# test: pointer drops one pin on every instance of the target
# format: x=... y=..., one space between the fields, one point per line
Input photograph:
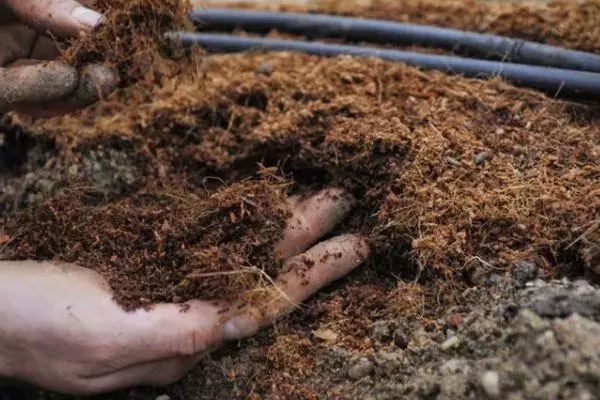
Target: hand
x=29 y=81
x=62 y=331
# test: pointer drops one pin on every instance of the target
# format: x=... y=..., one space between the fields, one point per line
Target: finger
x=16 y=41
x=35 y=83
x=306 y=274
x=60 y=17
x=312 y=218
x=95 y=83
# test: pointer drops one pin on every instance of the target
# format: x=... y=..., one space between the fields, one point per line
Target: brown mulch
x=453 y=175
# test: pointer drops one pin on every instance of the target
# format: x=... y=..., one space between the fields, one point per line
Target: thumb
x=60 y=17
x=35 y=83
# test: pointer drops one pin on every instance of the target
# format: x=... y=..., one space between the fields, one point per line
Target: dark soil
x=458 y=182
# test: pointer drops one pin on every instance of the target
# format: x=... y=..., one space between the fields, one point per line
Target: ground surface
x=467 y=296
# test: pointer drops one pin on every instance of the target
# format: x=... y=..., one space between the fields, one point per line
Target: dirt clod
x=482 y=158
x=579 y=298
x=524 y=272
x=361 y=369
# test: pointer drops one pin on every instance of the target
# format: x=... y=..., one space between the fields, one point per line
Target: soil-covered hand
x=29 y=80
x=62 y=331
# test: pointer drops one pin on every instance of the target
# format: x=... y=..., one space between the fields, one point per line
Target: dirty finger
x=95 y=83
x=304 y=276
x=312 y=218
x=35 y=83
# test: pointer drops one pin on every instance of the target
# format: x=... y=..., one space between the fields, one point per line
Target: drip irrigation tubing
x=553 y=80
x=379 y=31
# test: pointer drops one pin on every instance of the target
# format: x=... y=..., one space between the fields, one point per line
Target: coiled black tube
x=376 y=31
x=553 y=80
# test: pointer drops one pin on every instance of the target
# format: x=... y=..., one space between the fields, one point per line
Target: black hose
x=376 y=31
x=553 y=80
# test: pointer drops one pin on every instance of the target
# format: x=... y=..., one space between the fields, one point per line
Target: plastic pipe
x=376 y=31
x=556 y=81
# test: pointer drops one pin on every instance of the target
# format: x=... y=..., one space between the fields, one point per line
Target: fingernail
x=86 y=17
x=239 y=327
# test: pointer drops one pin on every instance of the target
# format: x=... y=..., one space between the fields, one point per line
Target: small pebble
x=455 y=320
x=500 y=131
x=325 y=334
x=265 y=69
x=453 y=161
x=163 y=397
x=531 y=321
x=361 y=369
x=454 y=341
x=50 y=163
x=494 y=279
x=420 y=339
x=482 y=157
x=490 y=382
x=455 y=366
x=510 y=311
x=524 y=272
x=381 y=332
x=400 y=339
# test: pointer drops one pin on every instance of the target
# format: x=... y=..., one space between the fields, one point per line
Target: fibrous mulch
x=453 y=175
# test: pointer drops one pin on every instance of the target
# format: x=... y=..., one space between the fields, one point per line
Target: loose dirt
x=459 y=183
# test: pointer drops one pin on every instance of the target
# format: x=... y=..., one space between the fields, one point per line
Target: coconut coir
x=453 y=175
x=131 y=39
x=161 y=245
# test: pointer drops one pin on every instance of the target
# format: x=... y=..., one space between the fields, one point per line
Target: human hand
x=29 y=81
x=62 y=331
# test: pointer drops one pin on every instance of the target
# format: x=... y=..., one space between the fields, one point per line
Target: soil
x=474 y=195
